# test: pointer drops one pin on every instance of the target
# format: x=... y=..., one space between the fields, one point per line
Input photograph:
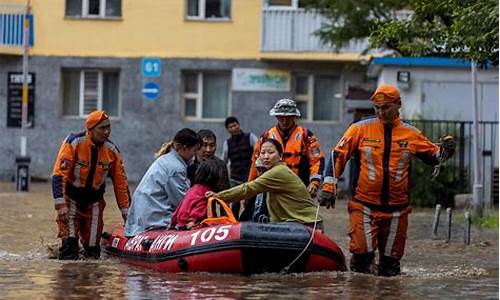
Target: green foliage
x=426 y=192
x=451 y=28
x=490 y=221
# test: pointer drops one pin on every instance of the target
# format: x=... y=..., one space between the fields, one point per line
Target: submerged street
x=432 y=269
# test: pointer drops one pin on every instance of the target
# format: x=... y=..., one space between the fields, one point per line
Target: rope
x=287 y=268
x=441 y=157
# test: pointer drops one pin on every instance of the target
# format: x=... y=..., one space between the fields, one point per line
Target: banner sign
x=252 y=79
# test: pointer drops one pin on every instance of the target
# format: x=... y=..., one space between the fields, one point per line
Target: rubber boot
x=92 y=252
x=69 y=249
x=389 y=266
x=362 y=263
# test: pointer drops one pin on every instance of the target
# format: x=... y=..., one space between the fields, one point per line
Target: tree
x=465 y=29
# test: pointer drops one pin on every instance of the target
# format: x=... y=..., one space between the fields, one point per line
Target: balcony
x=12 y=25
x=292 y=30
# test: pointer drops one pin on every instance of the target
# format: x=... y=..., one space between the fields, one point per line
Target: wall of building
x=143 y=125
x=444 y=93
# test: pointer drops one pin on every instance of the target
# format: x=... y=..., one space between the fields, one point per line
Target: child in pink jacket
x=193 y=208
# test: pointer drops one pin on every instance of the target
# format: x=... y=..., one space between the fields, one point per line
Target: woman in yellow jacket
x=287 y=197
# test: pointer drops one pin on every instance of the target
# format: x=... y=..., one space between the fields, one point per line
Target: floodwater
x=432 y=269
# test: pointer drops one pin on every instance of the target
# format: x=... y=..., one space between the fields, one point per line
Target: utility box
x=22 y=173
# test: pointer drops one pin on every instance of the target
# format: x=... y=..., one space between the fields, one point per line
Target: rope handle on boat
x=287 y=268
x=211 y=216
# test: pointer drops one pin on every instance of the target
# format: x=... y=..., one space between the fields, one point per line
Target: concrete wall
x=142 y=125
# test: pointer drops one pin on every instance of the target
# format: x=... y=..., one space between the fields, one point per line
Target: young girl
x=193 y=208
x=163 y=186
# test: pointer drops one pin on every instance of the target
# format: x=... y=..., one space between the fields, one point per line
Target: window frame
x=100 y=92
x=294 y=6
x=84 y=14
x=202 y=13
x=200 y=75
x=309 y=97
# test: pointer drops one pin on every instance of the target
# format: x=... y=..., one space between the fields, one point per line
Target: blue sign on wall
x=151 y=91
x=151 y=67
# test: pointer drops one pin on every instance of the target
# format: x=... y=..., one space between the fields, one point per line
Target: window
x=318 y=97
x=87 y=90
x=208 y=9
x=206 y=95
x=286 y=4
x=94 y=8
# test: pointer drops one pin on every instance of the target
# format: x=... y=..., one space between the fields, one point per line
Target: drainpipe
x=477 y=188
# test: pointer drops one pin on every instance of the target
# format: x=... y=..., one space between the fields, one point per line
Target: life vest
x=294 y=150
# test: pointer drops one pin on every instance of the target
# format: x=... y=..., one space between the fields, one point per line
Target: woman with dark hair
x=287 y=197
x=193 y=208
x=163 y=186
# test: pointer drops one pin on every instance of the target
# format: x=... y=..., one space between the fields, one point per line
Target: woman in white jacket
x=163 y=186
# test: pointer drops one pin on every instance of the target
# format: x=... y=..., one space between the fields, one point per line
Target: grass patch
x=490 y=221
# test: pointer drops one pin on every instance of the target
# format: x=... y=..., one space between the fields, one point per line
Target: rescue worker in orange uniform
x=84 y=161
x=382 y=149
x=301 y=149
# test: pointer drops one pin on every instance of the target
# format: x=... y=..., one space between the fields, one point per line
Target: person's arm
x=176 y=187
x=268 y=182
x=434 y=153
x=316 y=160
x=225 y=152
x=253 y=139
x=120 y=183
x=63 y=167
x=338 y=158
x=252 y=174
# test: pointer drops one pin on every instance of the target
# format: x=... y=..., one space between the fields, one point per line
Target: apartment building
x=160 y=65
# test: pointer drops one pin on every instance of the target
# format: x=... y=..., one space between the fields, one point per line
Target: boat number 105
x=208 y=234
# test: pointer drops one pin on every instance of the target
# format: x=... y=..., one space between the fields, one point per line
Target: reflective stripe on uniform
x=368 y=228
x=71 y=218
x=76 y=173
x=401 y=165
x=94 y=224
x=58 y=201
x=392 y=233
x=371 y=167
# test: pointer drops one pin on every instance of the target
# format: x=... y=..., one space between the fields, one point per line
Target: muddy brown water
x=432 y=269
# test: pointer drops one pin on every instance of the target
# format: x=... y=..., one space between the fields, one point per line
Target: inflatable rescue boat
x=245 y=247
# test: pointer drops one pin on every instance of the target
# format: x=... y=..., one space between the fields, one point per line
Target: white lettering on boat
x=163 y=242
x=208 y=234
x=134 y=244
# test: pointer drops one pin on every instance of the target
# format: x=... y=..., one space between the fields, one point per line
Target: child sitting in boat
x=193 y=208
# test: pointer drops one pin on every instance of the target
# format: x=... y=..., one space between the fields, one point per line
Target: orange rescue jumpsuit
x=78 y=182
x=301 y=152
x=379 y=208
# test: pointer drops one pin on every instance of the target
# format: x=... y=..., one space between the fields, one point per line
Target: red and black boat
x=245 y=247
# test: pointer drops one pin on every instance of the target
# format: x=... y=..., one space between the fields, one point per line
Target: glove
x=62 y=214
x=448 y=145
x=326 y=198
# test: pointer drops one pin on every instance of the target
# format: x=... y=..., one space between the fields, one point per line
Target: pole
x=467 y=228
x=448 y=224
x=435 y=221
x=22 y=161
x=477 y=186
x=24 y=114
